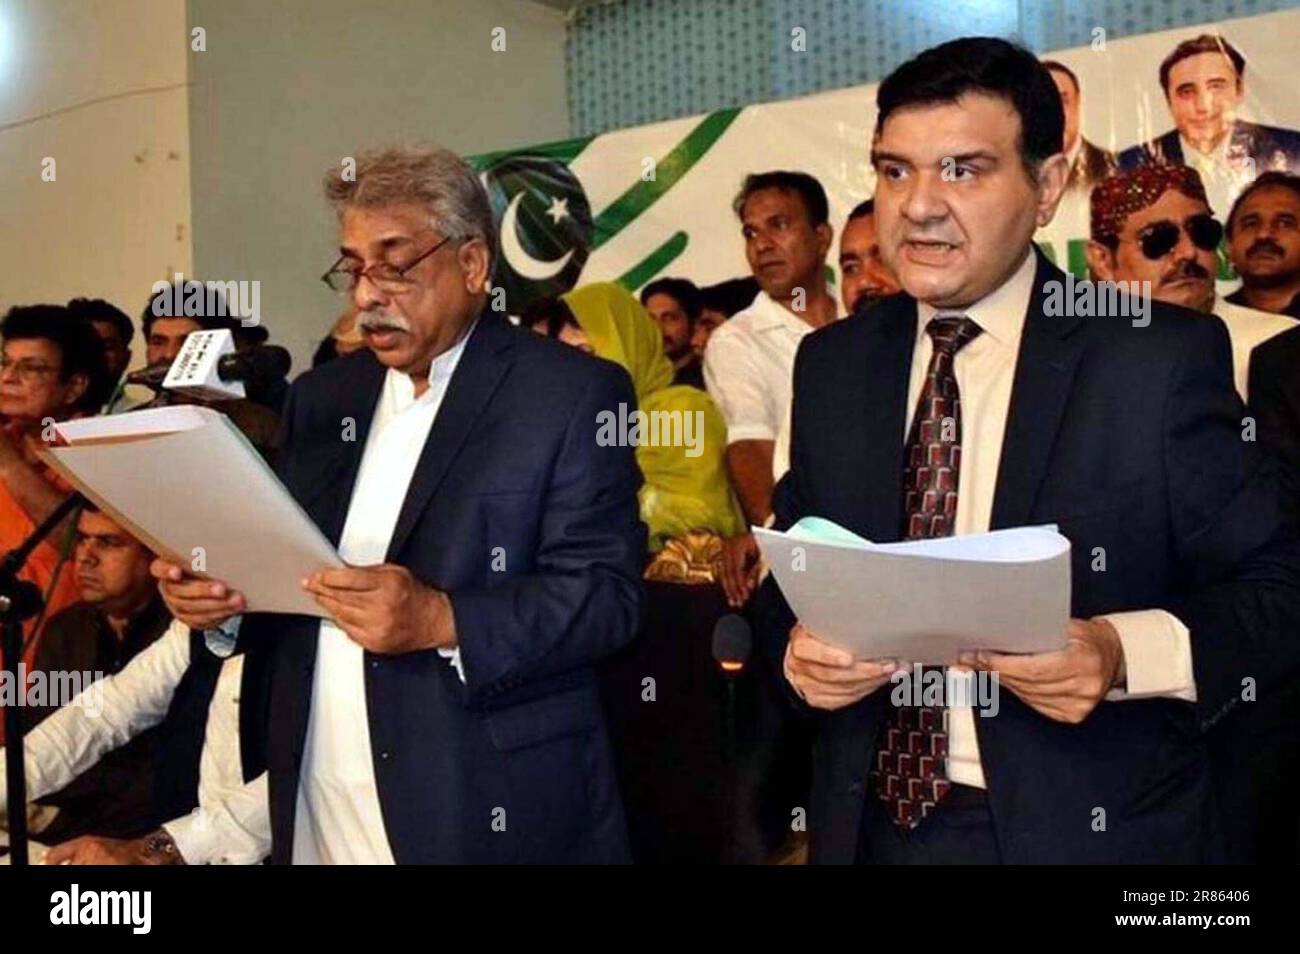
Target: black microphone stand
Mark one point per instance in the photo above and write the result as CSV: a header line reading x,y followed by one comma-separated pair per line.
x,y
20,600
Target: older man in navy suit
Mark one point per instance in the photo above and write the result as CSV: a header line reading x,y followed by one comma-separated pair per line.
x,y
445,710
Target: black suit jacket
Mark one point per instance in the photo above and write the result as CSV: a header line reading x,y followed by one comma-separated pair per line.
x,y
1129,439
533,530
1275,400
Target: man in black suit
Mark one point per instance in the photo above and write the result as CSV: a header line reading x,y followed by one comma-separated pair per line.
x,y
1263,231
964,406
1275,401
1089,163
446,709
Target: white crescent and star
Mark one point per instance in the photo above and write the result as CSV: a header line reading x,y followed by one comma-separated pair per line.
x,y
525,265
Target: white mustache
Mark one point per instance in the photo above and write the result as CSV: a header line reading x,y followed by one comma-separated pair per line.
x,y
371,320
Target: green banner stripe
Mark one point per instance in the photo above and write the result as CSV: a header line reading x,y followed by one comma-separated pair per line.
x,y
624,210
565,151
652,264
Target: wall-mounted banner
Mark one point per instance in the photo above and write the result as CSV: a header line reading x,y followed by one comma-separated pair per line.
x,y
635,203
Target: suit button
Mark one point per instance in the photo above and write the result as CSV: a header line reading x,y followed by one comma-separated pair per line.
x,y
374,664
383,756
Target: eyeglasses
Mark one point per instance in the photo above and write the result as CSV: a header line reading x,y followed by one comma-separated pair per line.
x,y
26,369
1159,238
345,274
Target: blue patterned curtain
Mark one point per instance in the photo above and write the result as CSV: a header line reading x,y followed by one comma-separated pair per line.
x,y
639,61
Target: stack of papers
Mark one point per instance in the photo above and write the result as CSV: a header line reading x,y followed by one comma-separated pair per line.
x,y
923,601
187,483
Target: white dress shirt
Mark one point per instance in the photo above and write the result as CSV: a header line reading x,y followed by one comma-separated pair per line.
x,y
338,818
748,370
1157,647
231,825
1247,328
1223,183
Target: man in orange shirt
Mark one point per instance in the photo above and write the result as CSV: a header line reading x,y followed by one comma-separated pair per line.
x,y
52,368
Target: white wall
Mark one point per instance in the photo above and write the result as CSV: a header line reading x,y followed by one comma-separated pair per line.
x,y
287,88
99,87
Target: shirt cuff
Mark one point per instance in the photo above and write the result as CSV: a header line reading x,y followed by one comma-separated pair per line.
x,y
453,656
196,838
749,432
1157,656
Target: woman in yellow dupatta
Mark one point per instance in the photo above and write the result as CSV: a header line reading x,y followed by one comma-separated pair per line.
x,y
686,486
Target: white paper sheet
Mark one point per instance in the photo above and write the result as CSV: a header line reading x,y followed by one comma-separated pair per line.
x,y
201,490
924,601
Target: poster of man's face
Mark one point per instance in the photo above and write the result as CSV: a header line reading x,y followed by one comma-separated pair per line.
x,y
1203,93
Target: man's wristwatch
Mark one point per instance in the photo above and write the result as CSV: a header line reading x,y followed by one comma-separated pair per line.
x,y
160,849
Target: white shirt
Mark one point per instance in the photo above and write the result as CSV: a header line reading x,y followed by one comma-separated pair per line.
x,y
1157,647
1222,182
231,824
748,370
338,818
1247,328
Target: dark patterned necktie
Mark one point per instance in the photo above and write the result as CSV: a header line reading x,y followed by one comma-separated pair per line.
x,y
910,772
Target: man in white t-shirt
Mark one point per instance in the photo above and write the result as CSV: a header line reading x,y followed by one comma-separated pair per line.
x,y
749,361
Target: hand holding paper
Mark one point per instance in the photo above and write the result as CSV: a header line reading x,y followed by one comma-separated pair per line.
x,y
924,601
187,483
830,678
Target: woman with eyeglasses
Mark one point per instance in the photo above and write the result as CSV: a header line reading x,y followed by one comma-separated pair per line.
x,y
52,368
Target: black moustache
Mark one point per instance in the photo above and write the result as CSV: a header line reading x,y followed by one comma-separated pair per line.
x,y
1265,245
1190,270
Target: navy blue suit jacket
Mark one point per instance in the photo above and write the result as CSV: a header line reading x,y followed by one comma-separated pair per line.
x,y
533,530
1130,439
1260,143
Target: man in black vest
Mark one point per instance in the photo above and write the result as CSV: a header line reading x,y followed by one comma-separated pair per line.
x,y
187,700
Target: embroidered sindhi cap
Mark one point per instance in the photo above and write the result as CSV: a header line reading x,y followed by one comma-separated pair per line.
x,y
1115,198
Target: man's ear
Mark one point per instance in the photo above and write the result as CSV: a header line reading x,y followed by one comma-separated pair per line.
x,y
473,257
1053,173
1101,261
825,236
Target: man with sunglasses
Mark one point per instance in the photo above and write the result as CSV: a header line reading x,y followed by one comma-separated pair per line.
x,y
445,708
1154,225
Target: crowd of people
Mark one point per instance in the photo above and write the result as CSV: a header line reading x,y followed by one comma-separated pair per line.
x,y
168,771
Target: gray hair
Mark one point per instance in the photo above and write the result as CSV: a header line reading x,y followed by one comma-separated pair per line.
x,y
430,175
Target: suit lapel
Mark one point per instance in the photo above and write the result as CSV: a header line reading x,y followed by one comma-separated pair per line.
x,y
883,385
475,380
1049,354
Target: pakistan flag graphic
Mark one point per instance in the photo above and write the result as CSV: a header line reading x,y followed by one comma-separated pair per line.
x,y
548,230
545,226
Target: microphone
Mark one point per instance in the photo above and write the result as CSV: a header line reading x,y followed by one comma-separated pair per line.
x,y
258,363
209,368
151,377
732,642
